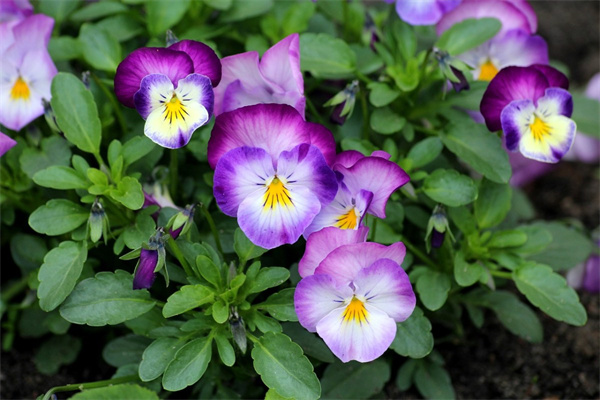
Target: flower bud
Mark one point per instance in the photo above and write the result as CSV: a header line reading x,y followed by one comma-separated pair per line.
x,y
50,117
85,78
437,228
180,223
97,222
170,38
238,330
152,260
344,102
452,68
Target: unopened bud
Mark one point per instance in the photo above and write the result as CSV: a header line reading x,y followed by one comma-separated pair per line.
x,y
344,103
97,222
436,228
238,330
50,117
170,38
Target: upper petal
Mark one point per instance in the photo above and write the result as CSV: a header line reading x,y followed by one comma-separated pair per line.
x,y
518,48
206,62
528,11
32,33
555,77
424,12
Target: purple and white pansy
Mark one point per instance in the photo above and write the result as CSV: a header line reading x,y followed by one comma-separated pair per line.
x,y
271,171
355,297
171,88
424,12
532,106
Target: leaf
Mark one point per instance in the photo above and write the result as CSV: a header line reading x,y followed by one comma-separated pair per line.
x,y
136,148
59,273
244,248
64,48
448,187
516,316
567,249
550,292
386,122
413,336
479,148
106,299
55,151
125,350
311,344
381,94
538,238
225,349
220,311
492,204
508,238
269,277
157,356
187,298
57,351
296,18
433,381
466,274
121,392
129,193
58,216
189,364
326,56
139,232
404,379
433,288
242,9
354,380
280,305
209,271
27,251
121,27
468,34
164,14
57,9
283,368
425,151
60,177
585,113
76,112
98,10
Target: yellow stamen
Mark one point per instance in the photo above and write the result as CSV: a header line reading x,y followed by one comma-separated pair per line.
x,y
539,129
348,220
355,311
488,71
276,195
20,90
174,110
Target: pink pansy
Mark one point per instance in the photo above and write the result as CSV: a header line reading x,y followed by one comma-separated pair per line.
x,y
274,79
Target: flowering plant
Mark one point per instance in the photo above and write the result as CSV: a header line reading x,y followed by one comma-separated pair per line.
x,y
188,197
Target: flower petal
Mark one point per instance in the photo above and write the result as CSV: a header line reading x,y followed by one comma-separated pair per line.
x,y
344,263
528,11
424,12
32,33
144,275
518,48
11,10
555,77
6,143
175,65
323,242
516,118
206,62
315,297
555,101
554,145
363,340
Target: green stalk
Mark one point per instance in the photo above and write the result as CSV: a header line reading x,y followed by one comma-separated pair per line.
x,y
501,274
113,101
314,111
420,255
173,173
179,256
213,227
89,385
15,289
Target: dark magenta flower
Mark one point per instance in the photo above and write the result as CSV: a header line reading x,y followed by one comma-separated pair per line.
x,y
171,88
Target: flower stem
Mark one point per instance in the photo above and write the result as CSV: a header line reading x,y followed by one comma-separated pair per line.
x,y
420,255
213,227
500,274
15,289
173,172
314,111
179,256
113,101
89,385
365,112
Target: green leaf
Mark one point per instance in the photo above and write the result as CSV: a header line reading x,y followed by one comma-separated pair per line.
x,y
448,187
57,351
76,112
139,232
425,151
516,316
311,344
59,177
189,364
326,56
433,381
220,311
106,299
538,238
121,27
225,349
585,113
129,193
136,148
242,9
295,19
125,350
58,216
244,248
550,292
209,271
405,77
492,204
59,273
55,151
354,380
468,34
27,251
269,277
187,298
98,10
404,379
164,14
386,122
57,9
121,392
280,305
433,288
157,356
508,238
283,368
64,48
567,249
466,274
413,336
381,94
479,148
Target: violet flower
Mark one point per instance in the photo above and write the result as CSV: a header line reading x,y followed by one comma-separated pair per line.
x,y
355,297
15,10
532,106
6,143
271,171
274,79
171,88
424,12
152,260
26,69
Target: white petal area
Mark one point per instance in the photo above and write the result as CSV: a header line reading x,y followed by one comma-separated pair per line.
x,y
174,133
155,91
553,146
354,340
282,222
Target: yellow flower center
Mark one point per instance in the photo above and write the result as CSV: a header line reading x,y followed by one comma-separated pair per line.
x,y
539,129
20,91
174,109
488,71
355,311
348,220
276,195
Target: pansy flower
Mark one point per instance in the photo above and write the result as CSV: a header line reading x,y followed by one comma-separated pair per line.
x,y
26,69
355,297
271,171
532,106
365,184
424,12
171,88
276,78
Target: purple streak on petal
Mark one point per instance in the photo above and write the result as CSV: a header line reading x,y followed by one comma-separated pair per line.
x,y
6,143
385,285
14,10
175,65
555,77
437,238
363,200
323,242
204,58
344,263
518,48
239,173
315,297
511,83
377,175
273,127
515,119
424,12
144,273
528,11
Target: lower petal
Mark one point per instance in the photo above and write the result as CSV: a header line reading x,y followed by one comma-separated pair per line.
x,y
516,118
175,132
554,145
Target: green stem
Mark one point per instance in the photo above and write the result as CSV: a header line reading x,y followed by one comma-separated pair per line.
x,y
113,101
374,228
501,274
420,255
426,130
252,338
173,173
365,112
314,111
213,227
15,289
89,385
362,77
179,256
